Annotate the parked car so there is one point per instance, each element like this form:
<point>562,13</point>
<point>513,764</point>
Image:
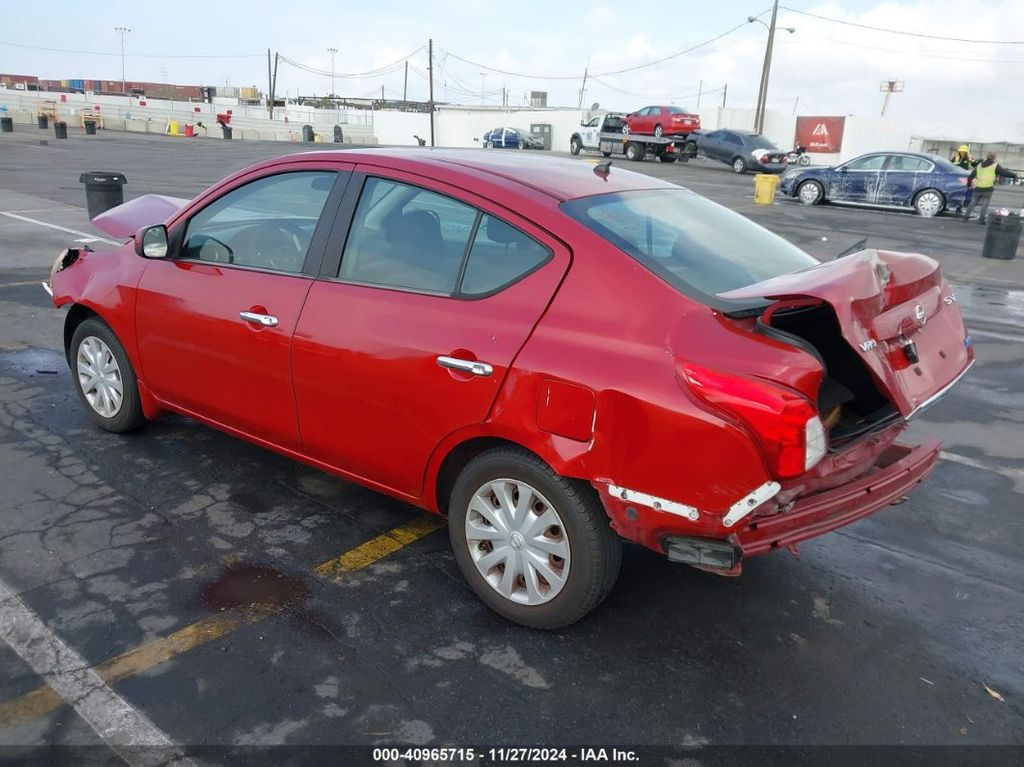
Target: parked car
<point>462,331</point>
<point>923,182</point>
<point>510,138</point>
<point>741,150</point>
<point>662,121</point>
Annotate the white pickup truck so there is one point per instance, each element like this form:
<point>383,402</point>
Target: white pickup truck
<point>604,134</point>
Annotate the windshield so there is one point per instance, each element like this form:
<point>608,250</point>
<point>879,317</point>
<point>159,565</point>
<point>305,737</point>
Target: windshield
<point>697,246</point>
<point>760,142</point>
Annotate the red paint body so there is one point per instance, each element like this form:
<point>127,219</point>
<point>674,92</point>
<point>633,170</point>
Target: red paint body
<point>673,123</point>
<point>586,350</point>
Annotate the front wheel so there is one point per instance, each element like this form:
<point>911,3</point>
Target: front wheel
<point>929,203</point>
<point>534,546</point>
<point>104,378</point>
<point>810,192</point>
<point>489,145</point>
<point>575,146</point>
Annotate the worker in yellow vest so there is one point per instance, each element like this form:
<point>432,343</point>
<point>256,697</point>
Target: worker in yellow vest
<point>983,182</point>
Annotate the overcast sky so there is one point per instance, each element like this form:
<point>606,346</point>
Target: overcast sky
<point>968,90</point>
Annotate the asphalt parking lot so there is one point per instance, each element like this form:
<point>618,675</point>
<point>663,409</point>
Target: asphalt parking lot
<point>223,595</point>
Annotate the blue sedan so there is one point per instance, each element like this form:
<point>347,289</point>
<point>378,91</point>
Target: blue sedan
<point>921,182</point>
<point>510,138</point>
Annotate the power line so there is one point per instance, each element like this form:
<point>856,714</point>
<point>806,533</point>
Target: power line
<point>926,54</point>
<point>900,31</point>
<point>385,69</point>
<point>657,97</point>
<point>138,55</point>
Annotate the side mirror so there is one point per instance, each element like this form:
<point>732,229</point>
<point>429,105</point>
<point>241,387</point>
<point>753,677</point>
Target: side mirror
<point>151,242</point>
<point>843,169</point>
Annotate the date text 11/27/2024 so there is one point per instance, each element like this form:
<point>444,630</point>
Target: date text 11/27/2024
<point>518,754</point>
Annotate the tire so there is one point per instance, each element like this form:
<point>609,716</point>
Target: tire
<point>804,160</point>
<point>635,151</point>
<point>739,165</point>
<point>929,202</point>
<point>575,146</point>
<point>578,526</point>
<point>522,145</point>
<point>93,346</point>
<point>690,149</point>
<point>489,145</point>
<point>606,154</point>
<point>810,192</point>
<point>668,158</point>
<point>658,130</point>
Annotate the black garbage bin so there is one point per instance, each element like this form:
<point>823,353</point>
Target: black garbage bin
<point>1002,237</point>
<point>43,121</point>
<point>307,132</point>
<point>339,136</point>
<point>226,130</point>
<point>90,127</point>
<point>103,191</point>
<point>60,129</point>
<point>6,125</point>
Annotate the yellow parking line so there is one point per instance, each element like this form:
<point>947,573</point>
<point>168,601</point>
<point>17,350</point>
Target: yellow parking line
<point>43,700</point>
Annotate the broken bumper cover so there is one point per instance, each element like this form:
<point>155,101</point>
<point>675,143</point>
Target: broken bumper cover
<point>899,469</point>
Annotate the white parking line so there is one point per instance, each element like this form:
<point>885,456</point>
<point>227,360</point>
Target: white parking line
<point>998,336</point>
<point>91,237</point>
<point>122,727</point>
<point>1017,475</point>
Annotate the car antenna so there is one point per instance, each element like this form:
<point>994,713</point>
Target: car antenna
<point>603,169</point>
<point>855,248</point>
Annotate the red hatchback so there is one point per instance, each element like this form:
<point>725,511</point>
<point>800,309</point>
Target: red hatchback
<point>662,121</point>
<point>549,356</point>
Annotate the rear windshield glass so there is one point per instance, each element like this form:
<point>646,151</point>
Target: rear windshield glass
<point>678,110</point>
<point>946,166</point>
<point>760,142</point>
<point>697,246</point>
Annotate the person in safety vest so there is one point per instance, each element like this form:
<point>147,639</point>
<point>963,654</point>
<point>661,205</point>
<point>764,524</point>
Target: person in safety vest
<point>962,157</point>
<point>983,181</point>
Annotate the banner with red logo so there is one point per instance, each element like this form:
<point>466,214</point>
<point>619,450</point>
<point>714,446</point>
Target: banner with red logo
<point>822,135</point>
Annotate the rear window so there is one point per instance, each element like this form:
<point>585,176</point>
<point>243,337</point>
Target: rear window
<point>760,142</point>
<point>697,246</point>
<point>678,111</point>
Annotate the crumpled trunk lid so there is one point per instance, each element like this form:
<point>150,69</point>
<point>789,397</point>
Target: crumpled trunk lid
<point>897,313</point>
<point>150,209</point>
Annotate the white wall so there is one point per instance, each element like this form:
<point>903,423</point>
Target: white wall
<point>457,127</point>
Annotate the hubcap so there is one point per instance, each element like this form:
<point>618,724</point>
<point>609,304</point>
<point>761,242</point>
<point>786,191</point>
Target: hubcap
<point>100,377</point>
<point>517,542</point>
<point>738,166</point>
<point>929,203</point>
<point>808,193</point>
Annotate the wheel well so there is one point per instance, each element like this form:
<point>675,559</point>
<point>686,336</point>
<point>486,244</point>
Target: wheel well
<point>77,314</point>
<point>456,461</point>
<point>577,137</point>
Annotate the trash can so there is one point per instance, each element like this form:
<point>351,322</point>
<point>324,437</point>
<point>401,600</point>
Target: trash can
<point>90,127</point>
<point>103,191</point>
<point>6,125</point>
<point>1002,236</point>
<point>43,121</point>
<point>174,128</point>
<point>227,130</point>
<point>190,130</point>
<point>339,136</point>
<point>60,129</point>
<point>764,188</point>
<point>307,132</point>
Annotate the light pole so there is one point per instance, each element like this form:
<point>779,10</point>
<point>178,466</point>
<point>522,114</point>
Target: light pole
<point>762,93</point>
<point>122,31</point>
<point>332,51</point>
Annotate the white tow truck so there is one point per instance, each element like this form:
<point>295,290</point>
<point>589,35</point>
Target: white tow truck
<point>603,134</point>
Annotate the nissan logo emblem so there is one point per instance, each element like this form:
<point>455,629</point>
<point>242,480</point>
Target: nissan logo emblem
<point>919,313</point>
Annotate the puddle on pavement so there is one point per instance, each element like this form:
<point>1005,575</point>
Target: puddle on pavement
<point>243,586</point>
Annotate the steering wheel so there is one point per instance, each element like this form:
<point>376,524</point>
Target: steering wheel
<point>271,245</point>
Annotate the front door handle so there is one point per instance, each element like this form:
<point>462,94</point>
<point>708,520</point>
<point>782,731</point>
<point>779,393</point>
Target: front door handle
<point>472,367</point>
<point>267,320</point>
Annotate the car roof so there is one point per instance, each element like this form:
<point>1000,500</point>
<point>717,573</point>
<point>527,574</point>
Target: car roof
<point>560,178</point>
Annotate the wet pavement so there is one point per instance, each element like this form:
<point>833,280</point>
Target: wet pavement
<point>188,568</point>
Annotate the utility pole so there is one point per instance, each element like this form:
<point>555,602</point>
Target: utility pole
<point>273,87</point>
<point>405,87</point>
<point>122,31</point>
<point>725,92</point>
<point>332,51</point>
<point>583,88</point>
<point>430,70</point>
<point>270,88</point>
<point>796,104</point>
<point>381,92</point>
<point>700,92</point>
<point>762,92</point>
<point>890,87</point>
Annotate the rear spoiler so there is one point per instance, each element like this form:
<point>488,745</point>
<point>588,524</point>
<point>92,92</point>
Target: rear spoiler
<point>150,209</point>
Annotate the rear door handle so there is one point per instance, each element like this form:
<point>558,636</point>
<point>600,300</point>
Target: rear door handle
<point>267,320</point>
<point>473,367</point>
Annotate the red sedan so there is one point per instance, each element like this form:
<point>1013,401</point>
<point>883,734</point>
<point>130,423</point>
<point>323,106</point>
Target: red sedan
<point>662,121</point>
<point>550,355</point>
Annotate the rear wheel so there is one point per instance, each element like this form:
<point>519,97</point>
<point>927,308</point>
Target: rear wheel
<point>635,151</point>
<point>810,192</point>
<point>534,546</point>
<point>104,378</point>
<point>929,202</point>
<point>575,145</point>
<point>739,165</point>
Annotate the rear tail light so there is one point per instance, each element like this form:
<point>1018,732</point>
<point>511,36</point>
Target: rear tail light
<point>784,422</point>
<point>764,159</point>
